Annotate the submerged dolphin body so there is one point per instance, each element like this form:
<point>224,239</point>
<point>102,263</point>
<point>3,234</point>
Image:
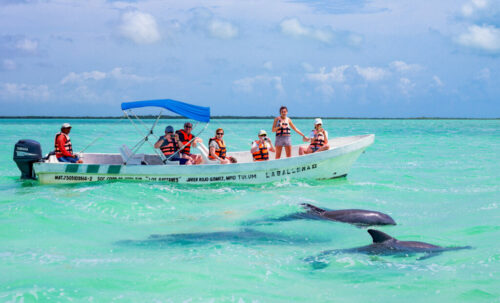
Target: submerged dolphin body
<point>359,217</point>
<point>243,236</point>
<point>383,244</point>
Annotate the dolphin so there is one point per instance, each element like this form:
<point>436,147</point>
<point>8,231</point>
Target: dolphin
<point>359,217</point>
<point>384,244</point>
<point>243,236</point>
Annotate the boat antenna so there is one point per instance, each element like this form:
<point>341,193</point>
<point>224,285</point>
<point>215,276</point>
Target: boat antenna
<point>99,137</point>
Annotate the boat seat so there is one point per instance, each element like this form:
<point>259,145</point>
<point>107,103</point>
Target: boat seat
<point>204,154</point>
<point>131,159</point>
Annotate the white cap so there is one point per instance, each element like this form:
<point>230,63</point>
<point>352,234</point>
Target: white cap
<point>66,125</point>
<point>318,121</point>
<point>262,132</point>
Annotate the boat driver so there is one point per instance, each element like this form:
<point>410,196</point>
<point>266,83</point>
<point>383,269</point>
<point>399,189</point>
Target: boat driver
<point>170,144</point>
<point>186,138</point>
<point>318,139</point>
<point>63,146</point>
<point>260,148</point>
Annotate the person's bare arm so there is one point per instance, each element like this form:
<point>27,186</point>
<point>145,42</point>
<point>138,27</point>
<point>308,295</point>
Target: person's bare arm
<point>275,128</point>
<point>294,128</point>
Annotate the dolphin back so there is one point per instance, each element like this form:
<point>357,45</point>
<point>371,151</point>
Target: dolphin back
<point>378,236</point>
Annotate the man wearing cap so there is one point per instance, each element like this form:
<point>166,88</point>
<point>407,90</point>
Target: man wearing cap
<point>260,148</point>
<point>318,139</point>
<point>63,147</point>
<point>186,138</point>
<point>170,144</point>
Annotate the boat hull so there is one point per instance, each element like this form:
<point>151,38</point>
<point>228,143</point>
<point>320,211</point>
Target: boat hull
<point>332,163</point>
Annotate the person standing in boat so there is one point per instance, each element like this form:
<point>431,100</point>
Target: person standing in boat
<point>186,138</point>
<point>170,144</point>
<point>318,139</point>
<point>282,126</point>
<point>217,148</point>
<point>261,148</point>
<point>63,146</point>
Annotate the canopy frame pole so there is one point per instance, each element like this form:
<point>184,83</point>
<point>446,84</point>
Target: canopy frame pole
<point>194,137</point>
<point>144,139</point>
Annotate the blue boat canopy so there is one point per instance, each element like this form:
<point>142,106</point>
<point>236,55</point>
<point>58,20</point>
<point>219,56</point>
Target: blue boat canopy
<point>198,113</point>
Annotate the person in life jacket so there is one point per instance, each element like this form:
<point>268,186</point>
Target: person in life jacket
<point>318,139</point>
<point>187,138</point>
<point>261,148</point>
<point>282,126</point>
<point>170,145</point>
<point>217,148</point>
<point>63,146</point>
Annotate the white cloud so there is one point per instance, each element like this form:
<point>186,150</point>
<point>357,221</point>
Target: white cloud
<point>140,27</point>
<point>438,81</point>
<point>268,65</point>
<point>222,29</point>
<point>24,91</point>
<point>27,45</point>
<point>482,37</point>
<point>307,67</point>
<point>404,67</point>
<point>247,84</point>
<point>116,73</point>
<point>406,85</point>
<point>325,79</point>
<point>293,27</point>
<point>8,64</point>
<point>484,74</point>
<point>469,8</point>
<point>371,73</point>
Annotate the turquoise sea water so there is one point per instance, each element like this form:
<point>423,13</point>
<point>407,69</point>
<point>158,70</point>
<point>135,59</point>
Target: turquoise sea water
<point>439,179</point>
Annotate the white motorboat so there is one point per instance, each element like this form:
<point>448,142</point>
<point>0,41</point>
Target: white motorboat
<point>129,165</point>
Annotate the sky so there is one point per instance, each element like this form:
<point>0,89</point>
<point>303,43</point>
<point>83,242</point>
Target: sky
<point>344,58</point>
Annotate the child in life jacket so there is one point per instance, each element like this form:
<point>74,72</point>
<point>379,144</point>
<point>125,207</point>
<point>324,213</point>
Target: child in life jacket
<point>318,139</point>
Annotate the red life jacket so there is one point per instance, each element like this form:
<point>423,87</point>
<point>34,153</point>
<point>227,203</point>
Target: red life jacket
<point>67,145</point>
<point>318,139</point>
<point>185,138</point>
<point>169,147</point>
<point>262,154</point>
<point>221,151</point>
<point>284,128</point>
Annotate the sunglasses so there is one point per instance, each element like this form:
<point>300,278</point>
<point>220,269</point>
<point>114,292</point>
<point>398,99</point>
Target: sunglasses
<point>263,136</point>
<point>220,134</point>
<point>188,127</point>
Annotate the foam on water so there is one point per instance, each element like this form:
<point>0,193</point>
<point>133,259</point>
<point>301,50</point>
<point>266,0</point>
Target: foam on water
<point>125,241</point>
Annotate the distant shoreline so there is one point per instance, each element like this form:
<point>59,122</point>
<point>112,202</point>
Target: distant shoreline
<point>241,118</point>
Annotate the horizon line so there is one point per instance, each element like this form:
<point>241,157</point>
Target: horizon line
<point>249,117</point>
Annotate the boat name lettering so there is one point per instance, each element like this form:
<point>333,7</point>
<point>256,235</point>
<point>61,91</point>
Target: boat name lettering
<point>289,171</point>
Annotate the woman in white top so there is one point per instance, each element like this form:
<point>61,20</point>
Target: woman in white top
<point>318,139</point>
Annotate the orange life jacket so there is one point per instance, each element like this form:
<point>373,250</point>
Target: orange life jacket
<point>284,128</point>
<point>262,154</point>
<point>318,139</point>
<point>169,147</point>
<point>221,151</point>
<point>185,138</point>
<point>68,146</point>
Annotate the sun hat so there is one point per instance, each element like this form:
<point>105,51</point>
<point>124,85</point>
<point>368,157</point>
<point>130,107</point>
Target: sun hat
<point>262,132</point>
<point>169,129</point>
<point>66,125</point>
<point>318,121</point>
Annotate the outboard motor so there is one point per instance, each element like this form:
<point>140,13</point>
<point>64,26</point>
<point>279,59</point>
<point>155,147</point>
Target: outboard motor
<point>27,152</point>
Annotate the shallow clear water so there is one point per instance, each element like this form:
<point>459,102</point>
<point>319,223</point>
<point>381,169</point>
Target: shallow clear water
<point>439,179</point>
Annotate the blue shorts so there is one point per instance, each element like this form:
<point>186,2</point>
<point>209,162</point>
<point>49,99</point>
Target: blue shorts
<point>68,159</point>
<point>315,148</point>
<point>182,161</point>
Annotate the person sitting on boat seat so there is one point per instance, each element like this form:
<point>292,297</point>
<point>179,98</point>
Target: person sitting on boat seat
<point>318,139</point>
<point>260,148</point>
<point>217,148</point>
<point>170,145</point>
<point>63,147</point>
<point>187,138</point>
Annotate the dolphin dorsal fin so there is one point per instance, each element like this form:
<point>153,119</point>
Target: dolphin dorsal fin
<point>378,236</point>
<point>313,208</point>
